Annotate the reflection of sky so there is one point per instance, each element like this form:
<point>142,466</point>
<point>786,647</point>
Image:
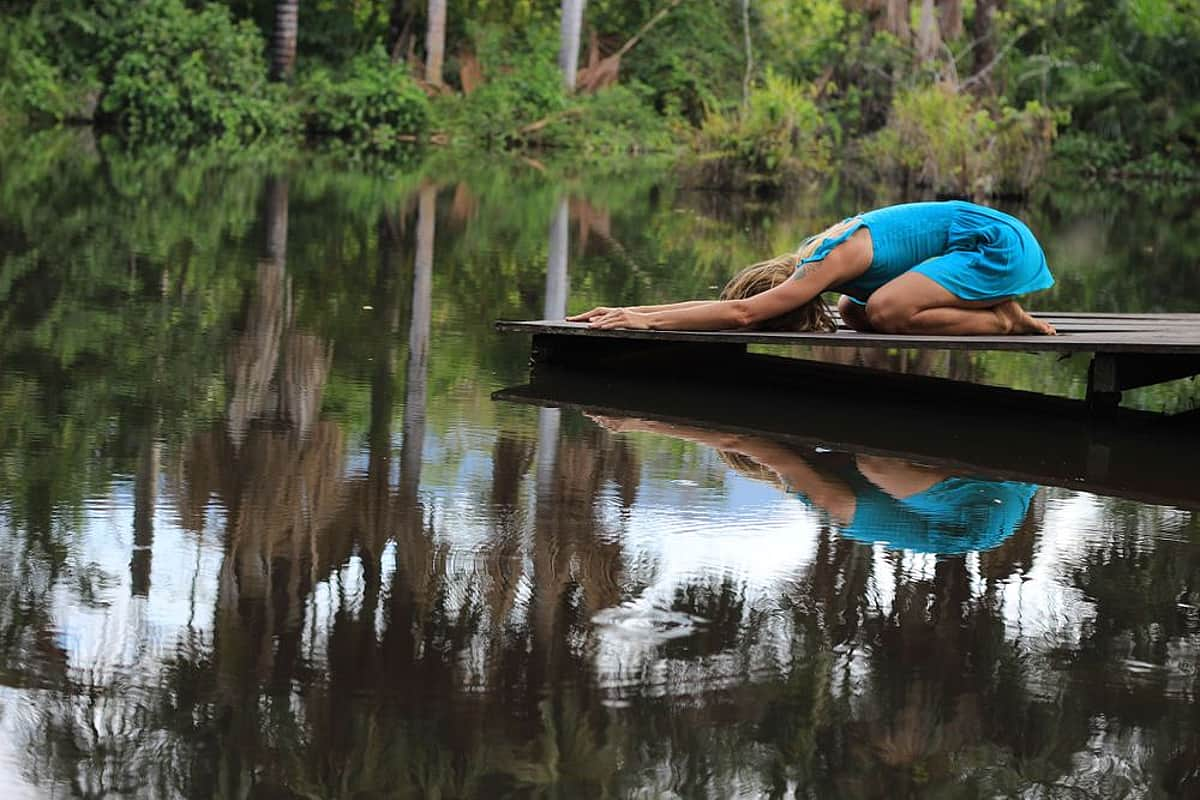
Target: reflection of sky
<point>117,639</point>
<point>715,526</point>
<point>126,631</point>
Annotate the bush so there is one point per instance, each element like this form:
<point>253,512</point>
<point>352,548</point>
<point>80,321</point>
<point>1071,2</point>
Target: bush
<point>180,76</point>
<point>615,121</point>
<point>941,138</point>
<point>780,132</point>
<point>370,105</point>
<point>522,84</point>
<point>32,84</point>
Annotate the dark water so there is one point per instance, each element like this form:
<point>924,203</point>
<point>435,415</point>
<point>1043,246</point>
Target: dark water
<point>264,532</point>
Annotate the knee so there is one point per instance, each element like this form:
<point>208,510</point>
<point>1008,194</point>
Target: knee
<point>853,314</point>
<point>887,315</point>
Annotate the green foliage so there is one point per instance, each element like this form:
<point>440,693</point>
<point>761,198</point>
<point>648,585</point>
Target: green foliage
<point>780,132</point>
<point>944,139</point>
<point>692,61</point>
<point>613,122</point>
<point>180,75</point>
<point>522,84</point>
<point>32,85</point>
<point>1127,71</point>
<point>372,105</point>
<point>187,71</point>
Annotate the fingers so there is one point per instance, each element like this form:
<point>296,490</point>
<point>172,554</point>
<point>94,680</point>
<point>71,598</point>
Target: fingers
<point>588,316</point>
<point>604,318</point>
<point>614,319</point>
<point>608,322</point>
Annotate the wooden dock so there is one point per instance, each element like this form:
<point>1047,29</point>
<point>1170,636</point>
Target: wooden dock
<point>1127,351</point>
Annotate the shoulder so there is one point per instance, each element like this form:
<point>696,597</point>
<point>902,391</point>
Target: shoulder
<point>849,259</point>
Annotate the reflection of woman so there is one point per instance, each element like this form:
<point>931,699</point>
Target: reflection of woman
<point>872,498</point>
<point>949,268</point>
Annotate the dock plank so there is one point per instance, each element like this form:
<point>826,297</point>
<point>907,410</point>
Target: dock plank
<point>1079,333</point>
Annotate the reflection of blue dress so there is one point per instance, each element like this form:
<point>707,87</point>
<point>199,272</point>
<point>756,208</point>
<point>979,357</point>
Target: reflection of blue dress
<point>954,516</point>
<point>974,252</point>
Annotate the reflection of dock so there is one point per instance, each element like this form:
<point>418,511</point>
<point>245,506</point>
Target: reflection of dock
<point>976,430</point>
<point>1128,350</point>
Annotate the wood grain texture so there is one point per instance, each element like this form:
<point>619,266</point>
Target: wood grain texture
<point>1078,333</point>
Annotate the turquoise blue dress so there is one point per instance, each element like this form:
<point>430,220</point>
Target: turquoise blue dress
<point>974,252</point>
<point>955,515</point>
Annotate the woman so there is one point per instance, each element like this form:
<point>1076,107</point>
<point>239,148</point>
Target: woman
<point>946,268</point>
<point>872,498</point>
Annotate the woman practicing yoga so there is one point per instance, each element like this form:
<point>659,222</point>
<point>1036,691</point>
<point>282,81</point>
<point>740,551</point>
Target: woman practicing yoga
<point>949,268</point>
<point>870,498</point>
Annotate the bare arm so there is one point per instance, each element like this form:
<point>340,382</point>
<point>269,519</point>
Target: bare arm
<point>830,494</point>
<point>845,262</point>
<point>587,316</point>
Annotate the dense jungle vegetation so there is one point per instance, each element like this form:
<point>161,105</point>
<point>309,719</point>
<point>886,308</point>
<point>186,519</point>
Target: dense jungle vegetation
<point>961,96</point>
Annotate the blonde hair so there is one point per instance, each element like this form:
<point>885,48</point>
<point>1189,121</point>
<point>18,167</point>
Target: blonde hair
<point>748,467</point>
<point>757,278</point>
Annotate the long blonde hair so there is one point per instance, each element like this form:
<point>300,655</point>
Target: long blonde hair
<point>750,468</point>
<point>814,315</point>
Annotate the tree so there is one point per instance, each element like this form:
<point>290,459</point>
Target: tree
<point>929,39</point>
<point>435,42</point>
<point>983,30</point>
<point>283,48</point>
<point>896,18</point>
<point>951,18</point>
<point>568,53</point>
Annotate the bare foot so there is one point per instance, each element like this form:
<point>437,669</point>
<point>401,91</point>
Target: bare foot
<point>1019,321</point>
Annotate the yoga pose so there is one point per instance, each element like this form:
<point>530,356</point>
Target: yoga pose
<point>870,498</point>
<point>948,268</point>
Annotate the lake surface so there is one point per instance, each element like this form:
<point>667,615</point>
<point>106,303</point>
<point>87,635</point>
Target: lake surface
<point>264,531</point>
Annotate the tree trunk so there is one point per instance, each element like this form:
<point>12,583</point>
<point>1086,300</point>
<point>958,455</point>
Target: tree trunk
<point>983,31</point>
<point>896,19</point>
<point>145,495</point>
<point>417,369</point>
<point>556,269</point>
<point>568,53</point>
<point>749,53</point>
<point>283,49</point>
<point>254,357</point>
<point>951,17</point>
<point>928,38</point>
<point>399,21</point>
<point>435,42</point>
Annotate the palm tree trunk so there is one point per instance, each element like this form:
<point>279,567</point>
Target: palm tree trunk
<point>951,17</point>
<point>283,50</point>
<point>568,53</point>
<point>928,37</point>
<point>983,31</point>
<point>435,42</point>
<point>145,495</point>
<point>749,53</point>
<point>417,369</point>
<point>556,268</point>
<point>896,19</point>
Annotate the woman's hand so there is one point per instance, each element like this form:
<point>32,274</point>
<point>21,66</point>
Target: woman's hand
<point>605,318</point>
<point>616,424</point>
<point>588,316</point>
<point>618,318</point>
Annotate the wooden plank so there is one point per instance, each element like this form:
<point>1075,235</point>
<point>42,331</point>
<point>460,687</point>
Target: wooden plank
<point>1175,339</point>
<point>997,434</point>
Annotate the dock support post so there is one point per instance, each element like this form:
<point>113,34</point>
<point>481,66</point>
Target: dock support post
<point>1111,373</point>
<point>1103,386</point>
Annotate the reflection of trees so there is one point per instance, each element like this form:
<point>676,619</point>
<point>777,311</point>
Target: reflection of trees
<point>357,649</point>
